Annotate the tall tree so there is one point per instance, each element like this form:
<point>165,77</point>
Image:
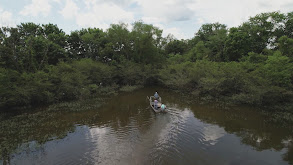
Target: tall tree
<point>286,46</point>
<point>11,48</point>
<point>289,25</point>
<point>75,47</point>
<point>146,42</point>
<point>237,45</point>
<point>94,42</point>
<point>176,47</point>
<point>264,30</point>
<point>214,37</point>
<point>119,37</point>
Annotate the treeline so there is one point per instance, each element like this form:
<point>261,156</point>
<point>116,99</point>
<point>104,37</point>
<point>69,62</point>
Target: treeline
<point>249,64</point>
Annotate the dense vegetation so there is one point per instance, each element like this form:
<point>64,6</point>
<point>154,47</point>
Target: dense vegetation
<point>250,64</point>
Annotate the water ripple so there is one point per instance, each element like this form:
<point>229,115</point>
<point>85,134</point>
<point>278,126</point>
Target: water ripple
<point>136,135</point>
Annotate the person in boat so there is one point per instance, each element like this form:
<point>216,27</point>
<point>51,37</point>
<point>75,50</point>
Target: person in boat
<point>156,104</point>
<point>156,95</point>
<point>163,107</point>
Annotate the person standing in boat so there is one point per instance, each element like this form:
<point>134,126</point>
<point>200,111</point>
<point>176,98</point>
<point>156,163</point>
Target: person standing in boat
<point>156,95</point>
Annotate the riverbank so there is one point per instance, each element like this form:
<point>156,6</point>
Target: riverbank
<point>281,113</point>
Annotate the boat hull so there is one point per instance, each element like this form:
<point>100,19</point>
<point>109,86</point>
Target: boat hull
<point>152,103</point>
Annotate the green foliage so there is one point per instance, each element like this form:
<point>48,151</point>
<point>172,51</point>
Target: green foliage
<point>94,42</point>
<point>40,64</point>
<point>208,30</point>
<point>146,41</point>
<point>199,52</point>
<point>264,30</point>
<point>236,45</point>
<point>250,64</point>
<point>254,58</point>
<point>267,83</point>
<point>286,46</point>
<point>278,70</point>
<point>288,31</point>
<point>176,47</point>
<point>213,36</point>
<point>128,88</point>
<point>120,41</point>
<point>177,75</point>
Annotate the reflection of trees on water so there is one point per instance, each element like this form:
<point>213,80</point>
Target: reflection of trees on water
<point>39,127</point>
<point>128,109</point>
<point>289,155</point>
<point>124,109</point>
<point>57,120</point>
<point>252,127</point>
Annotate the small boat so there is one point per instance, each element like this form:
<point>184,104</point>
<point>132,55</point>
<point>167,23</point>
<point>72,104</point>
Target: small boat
<point>151,99</point>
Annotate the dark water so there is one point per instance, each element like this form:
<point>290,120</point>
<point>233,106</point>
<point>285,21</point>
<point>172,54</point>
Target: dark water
<point>127,131</point>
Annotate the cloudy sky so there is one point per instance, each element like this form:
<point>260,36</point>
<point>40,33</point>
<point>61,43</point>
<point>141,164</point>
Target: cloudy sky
<point>182,18</point>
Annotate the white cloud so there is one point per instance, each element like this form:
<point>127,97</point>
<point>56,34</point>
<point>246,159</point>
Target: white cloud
<point>121,3</point>
<point>37,7</point>
<point>234,12</point>
<point>6,18</point>
<point>98,14</point>
<point>152,20</point>
<point>70,10</point>
<point>176,32</point>
<point>178,17</point>
<point>166,10</point>
<point>212,134</point>
<point>57,1</point>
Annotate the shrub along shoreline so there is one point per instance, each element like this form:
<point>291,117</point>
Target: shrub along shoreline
<point>247,65</point>
<point>235,83</point>
<point>225,84</point>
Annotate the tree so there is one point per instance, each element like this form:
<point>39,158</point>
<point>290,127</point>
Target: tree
<point>214,37</point>
<point>289,25</point>
<point>286,46</point>
<point>199,52</point>
<point>278,70</point>
<point>54,34</point>
<point>57,44</point>
<point>94,42</point>
<point>29,29</point>
<point>36,53</point>
<point>75,48</point>
<point>119,38</point>
<point>176,47</point>
<point>208,30</point>
<point>237,45</point>
<point>264,30</point>
<point>11,48</point>
<point>146,40</point>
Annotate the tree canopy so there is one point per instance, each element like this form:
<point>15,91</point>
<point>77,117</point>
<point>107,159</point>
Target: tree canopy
<point>251,63</point>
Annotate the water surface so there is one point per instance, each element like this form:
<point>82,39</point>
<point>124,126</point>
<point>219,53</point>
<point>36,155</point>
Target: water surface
<point>126,131</point>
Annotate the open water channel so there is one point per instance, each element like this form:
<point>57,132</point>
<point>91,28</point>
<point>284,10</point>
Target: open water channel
<point>125,130</point>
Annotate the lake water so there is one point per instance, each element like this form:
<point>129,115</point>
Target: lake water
<point>125,130</point>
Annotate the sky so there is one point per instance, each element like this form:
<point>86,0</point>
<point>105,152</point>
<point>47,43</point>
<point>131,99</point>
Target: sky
<point>181,18</point>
